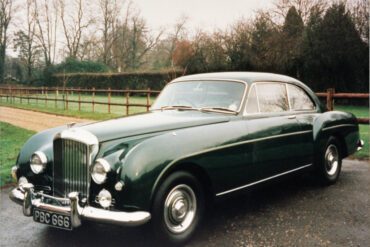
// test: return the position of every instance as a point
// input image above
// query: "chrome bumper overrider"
(360, 145)
(26, 196)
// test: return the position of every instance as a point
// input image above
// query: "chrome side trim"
(262, 180)
(339, 126)
(288, 96)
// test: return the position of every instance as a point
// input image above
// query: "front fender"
(146, 164)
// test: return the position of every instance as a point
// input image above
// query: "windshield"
(223, 95)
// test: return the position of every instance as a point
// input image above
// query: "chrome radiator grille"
(71, 164)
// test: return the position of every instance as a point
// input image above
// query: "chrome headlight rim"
(13, 172)
(100, 178)
(38, 168)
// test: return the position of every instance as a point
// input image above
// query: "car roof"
(248, 77)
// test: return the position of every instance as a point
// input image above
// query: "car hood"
(151, 122)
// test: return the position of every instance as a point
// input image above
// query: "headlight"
(38, 162)
(99, 171)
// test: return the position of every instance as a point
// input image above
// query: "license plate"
(52, 219)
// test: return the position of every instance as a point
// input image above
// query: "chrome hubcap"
(331, 159)
(180, 208)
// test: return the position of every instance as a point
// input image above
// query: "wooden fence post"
(46, 96)
(330, 99)
(127, 101)
(109, 98)
(148, 100)
(79, 99)
(67, 100)
(56, 97)
(20, 94)
(93, 100)
(11, 97)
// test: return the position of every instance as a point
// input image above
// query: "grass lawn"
(11, 140)
(100, 111)
(61, 111)
(359, 111)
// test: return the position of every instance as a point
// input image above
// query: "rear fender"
(341, 125)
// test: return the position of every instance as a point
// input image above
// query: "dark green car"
(206, 136)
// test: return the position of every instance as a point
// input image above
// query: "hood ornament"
(70, 125)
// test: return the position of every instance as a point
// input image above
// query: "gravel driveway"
(33, 120)
(294, 212)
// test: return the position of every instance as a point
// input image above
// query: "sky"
(205, 15)
(202, 14)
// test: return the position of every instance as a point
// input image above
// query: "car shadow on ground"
(224, 215)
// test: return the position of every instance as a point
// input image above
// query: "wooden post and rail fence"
(77, 95)
(46, 94)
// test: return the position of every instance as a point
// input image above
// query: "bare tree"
(6, 8)
(360, 15)
(25, 40)
(141, 42)
(110, 10)
(133, 43)
(73, 26)
(47, 23)
(303, 7)
(174, 37)
(89, 48)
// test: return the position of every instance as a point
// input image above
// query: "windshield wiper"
(177, 107)
(218, 109)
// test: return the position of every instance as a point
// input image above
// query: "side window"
(272, 97)
(252, 105)
(299, 100)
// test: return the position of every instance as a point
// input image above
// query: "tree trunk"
(2, 64)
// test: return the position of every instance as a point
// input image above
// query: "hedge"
(134, 80)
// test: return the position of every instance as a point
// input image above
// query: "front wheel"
(178, 208)
(330, 162)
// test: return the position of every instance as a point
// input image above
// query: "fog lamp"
(22, 181)
(105, 198)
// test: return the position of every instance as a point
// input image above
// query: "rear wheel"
(330, 162)
(178, 208)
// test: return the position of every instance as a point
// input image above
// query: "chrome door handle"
(292, 117)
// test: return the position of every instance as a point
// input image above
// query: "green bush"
(71, 65)
(131, 80)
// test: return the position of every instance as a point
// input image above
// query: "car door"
(273, 131)
(305, 110)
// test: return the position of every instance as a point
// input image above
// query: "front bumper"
(26, 196)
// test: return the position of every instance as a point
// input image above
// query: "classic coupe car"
(206, 136)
